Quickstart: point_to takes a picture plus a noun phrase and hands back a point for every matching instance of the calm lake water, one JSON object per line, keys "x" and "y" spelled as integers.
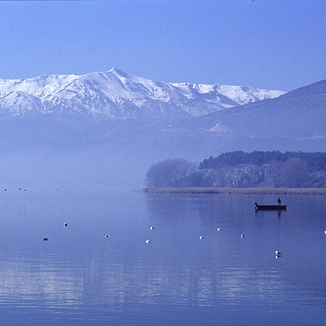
{"x": 80, "y": 277}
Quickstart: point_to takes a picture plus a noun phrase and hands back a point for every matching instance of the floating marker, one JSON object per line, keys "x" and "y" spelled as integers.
{"x": 148, "y": 241}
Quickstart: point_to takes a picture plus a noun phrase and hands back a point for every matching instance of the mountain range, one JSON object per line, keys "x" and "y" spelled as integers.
{"x": 115, "y": 94}
{"x": 104, "y": 130}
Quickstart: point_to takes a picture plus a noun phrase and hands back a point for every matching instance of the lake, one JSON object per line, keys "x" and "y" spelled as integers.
{"x": 80, "y": 277}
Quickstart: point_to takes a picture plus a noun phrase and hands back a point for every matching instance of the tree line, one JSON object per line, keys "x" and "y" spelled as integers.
{"x": 242, "y": 169}
{"x": 314, "y": 160}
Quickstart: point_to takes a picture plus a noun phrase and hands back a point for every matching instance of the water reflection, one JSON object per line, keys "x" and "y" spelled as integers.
{"x": 298, "y": 232}
{"x": 116, "y": 282}
{"x": 81, "y": 275}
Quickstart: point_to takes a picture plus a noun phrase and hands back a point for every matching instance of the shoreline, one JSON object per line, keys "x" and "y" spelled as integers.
{"x": 238, "y": 191}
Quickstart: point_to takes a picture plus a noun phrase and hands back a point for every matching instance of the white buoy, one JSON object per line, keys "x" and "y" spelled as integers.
{"x": 65, "y": 224}
{"x": 219, "y": 229}
{"x": 201, "y": 237}
{"x": 325, "y": 231}
{"x": 106, "y": 236}
{"x": 151, "y": 227}
{"x": 148, "y": 241}
{"x": 278, "y": 253}
{"x": 242, "y": 236}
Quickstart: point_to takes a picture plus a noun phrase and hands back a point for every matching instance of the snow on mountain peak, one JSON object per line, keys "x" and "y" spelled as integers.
{"x": 116, "y": 94}
{"x": 118, "y": 73}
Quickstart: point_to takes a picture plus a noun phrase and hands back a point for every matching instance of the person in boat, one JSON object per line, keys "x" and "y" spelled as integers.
{"x": 279, "y": 201}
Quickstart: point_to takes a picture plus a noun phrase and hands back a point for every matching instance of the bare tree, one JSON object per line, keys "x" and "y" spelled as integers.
{"x": 167, "y": 172}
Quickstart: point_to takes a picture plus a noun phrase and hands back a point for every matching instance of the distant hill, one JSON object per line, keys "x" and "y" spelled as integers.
{"x": 106, "y": 129}
{"x": 293, "y": 121}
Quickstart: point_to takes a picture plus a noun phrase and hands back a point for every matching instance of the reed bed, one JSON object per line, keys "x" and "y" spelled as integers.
{"x": 244, "y": 191}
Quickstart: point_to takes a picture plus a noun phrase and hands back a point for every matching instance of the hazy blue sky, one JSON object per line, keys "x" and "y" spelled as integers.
{"x": 275, "y": 44}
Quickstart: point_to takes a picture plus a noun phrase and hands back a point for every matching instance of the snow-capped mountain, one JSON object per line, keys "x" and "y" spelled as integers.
{"x": 115, "y": 94}
{"x": 73, "y": 150}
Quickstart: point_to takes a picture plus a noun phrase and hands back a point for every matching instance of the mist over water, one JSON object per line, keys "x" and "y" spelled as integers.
{"x": 79, "y": 141}
{"x": 46, "y": 154}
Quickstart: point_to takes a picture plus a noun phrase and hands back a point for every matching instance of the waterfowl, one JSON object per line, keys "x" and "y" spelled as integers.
{"x": 45, "y": 239}
{"x": 278, "y": 253}
{"x": 219, "y": 229}
{"x": 201, "y": 237}
{"x": 151, "y": 227}
{"x": 106, "y": 236}
{"x": 242, "y": 236}
{"x": 65, "y": 224}
{"x": 148, "y": 241}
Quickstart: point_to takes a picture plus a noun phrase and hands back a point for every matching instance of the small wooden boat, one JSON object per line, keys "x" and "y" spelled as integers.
{"x": 271, "y": 207}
